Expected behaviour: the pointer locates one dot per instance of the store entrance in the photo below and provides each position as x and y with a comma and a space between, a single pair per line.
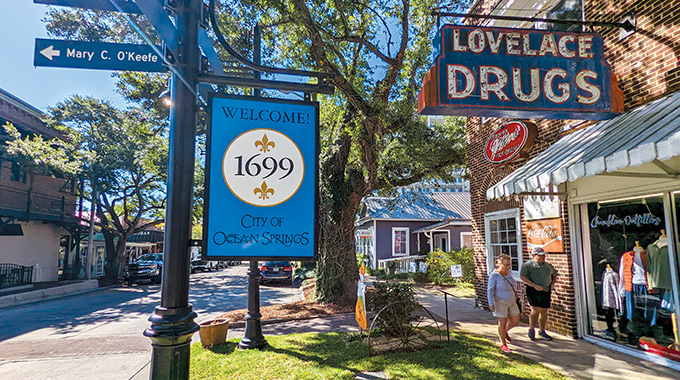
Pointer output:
632, 271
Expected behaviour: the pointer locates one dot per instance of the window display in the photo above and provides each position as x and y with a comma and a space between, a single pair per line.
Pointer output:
632, 289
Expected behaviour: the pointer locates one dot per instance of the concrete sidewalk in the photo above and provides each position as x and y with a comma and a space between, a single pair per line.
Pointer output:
576, 358
37, 293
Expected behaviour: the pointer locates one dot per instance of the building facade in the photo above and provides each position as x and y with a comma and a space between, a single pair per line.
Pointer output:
397, 231
37, 223
607, 192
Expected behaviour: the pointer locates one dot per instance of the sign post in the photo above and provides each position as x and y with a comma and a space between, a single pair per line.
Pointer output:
172, 325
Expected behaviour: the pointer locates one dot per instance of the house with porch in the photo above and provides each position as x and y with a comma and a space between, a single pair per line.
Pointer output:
404, 228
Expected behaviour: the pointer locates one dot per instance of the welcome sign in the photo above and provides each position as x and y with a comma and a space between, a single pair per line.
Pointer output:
261, 179
519, 73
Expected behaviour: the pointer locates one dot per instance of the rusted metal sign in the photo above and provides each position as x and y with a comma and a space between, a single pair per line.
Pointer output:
546, 234
519, 73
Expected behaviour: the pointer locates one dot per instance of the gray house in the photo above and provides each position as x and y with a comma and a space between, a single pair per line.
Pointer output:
405, 228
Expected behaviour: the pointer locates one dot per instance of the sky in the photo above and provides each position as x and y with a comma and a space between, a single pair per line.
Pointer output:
41, 87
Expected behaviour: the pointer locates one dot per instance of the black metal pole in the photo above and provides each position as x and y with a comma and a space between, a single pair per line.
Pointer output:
252, 337
172, 325
627, 25
446, 306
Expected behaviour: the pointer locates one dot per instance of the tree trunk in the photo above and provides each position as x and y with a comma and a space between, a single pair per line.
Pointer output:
115, 252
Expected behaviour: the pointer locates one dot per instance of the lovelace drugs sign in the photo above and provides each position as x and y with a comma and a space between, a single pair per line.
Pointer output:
518, 73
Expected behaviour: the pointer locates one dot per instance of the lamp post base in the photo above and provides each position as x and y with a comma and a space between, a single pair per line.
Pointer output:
253, 338
170, 332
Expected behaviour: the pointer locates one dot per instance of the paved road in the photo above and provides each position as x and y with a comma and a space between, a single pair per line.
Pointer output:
53, 333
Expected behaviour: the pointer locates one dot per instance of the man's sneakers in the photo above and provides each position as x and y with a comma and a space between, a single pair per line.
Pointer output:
542, 334
505, 348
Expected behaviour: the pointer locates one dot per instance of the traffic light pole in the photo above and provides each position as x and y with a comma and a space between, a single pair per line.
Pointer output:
172, 325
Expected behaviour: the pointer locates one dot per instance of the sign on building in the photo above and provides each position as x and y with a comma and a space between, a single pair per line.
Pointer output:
261, 185
519, 73
511, 140
546, 234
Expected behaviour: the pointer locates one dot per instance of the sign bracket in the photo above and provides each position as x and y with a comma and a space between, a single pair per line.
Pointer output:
628, 24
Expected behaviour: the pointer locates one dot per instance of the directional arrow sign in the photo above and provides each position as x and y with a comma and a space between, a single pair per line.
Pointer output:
96, 55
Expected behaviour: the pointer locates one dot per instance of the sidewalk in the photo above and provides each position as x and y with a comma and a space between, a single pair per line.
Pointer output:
573, 357
45, 291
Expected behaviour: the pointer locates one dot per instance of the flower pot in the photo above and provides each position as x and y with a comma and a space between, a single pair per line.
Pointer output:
213, 332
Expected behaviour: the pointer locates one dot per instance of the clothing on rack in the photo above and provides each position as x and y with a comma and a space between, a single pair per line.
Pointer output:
611, 294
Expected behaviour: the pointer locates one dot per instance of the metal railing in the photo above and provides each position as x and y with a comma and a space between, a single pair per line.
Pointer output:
15, 275
401, 264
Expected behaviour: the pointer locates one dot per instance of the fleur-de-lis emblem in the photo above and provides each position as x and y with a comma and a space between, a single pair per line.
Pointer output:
264, 191
265, 145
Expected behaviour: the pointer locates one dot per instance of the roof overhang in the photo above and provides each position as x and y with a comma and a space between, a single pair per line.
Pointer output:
442, 225
647, 134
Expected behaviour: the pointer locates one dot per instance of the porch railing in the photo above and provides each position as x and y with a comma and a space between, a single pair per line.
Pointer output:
401, 264
15, 275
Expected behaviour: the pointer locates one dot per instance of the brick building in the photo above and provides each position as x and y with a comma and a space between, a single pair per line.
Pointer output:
610, 185
37, 223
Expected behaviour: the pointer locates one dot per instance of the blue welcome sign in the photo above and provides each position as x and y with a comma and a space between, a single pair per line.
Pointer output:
261, 179
519, 73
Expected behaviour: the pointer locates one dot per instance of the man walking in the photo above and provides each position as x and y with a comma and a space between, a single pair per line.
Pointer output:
539, 278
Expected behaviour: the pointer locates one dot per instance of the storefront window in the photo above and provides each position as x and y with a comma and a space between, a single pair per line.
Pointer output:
631, 283
502, 236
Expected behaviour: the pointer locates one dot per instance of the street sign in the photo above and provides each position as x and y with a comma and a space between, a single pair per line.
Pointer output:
96, 55
261, 185
127, 6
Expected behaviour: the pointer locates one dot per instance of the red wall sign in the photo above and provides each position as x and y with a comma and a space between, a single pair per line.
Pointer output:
510, 140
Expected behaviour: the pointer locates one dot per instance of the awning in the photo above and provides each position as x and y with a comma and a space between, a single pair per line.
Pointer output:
649, 133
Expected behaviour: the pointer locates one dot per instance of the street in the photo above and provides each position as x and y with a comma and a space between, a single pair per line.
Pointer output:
36, 340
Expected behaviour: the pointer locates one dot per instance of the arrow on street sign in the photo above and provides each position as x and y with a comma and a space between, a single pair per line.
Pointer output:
96, 55
50, 53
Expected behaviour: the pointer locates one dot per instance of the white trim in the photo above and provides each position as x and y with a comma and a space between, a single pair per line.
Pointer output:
408, 240
465, 234
448, 240
514, 212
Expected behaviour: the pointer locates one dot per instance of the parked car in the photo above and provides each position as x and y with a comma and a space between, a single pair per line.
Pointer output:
203, 265
147, 267
276, 271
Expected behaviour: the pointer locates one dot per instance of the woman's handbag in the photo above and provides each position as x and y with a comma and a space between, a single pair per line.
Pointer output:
517, 301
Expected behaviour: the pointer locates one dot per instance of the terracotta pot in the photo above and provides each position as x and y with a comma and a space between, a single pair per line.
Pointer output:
213, 332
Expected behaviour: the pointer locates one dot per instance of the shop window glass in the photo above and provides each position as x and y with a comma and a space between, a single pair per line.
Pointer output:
630, 272
502, 237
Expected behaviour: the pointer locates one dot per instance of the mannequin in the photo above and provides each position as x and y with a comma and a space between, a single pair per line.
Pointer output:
633, 284
611, 298
659, 271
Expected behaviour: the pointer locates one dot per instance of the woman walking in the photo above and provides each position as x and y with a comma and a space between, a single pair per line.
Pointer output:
501, 296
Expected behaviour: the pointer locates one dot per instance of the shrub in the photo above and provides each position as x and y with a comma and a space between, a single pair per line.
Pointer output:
439, 266
399, 302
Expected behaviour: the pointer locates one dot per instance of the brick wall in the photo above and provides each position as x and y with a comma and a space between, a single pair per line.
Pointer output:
646, 64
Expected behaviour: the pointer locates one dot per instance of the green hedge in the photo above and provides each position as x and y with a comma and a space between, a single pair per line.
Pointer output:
439, 266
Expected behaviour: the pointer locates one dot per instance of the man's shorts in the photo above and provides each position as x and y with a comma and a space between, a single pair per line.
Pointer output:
502, 310
538, 299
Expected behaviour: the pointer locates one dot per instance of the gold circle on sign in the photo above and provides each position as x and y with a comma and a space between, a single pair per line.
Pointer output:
289, 139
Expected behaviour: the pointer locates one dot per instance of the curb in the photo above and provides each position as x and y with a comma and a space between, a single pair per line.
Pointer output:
48, 294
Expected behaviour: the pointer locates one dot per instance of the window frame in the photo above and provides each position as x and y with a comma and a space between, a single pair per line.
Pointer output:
498, 215
462, 234
408, 240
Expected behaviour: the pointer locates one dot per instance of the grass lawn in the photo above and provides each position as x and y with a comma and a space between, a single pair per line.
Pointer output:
336, 356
